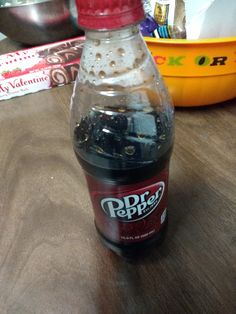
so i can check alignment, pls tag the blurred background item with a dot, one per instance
(194, 46)
(35, 22)
(189, 19)
(197, 72)
(167, 19)
(210, 18)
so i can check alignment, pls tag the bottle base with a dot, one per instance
(131, 252)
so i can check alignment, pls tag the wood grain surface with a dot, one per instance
(51, 261)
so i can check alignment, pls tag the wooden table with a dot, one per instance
(51, 260)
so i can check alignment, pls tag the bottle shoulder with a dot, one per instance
(125, 62)
(119, 75)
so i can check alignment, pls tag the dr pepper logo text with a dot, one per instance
(135, 206)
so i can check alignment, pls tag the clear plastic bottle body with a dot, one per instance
(122, 132)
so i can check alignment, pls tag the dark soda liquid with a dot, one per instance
(124, 177)
(121, 149)
(133, 251)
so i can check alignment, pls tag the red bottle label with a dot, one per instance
(130, 213)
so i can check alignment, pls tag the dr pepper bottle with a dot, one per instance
(122, 127)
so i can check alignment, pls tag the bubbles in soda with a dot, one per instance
(122, 138)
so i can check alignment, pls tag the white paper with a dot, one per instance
(210, 18)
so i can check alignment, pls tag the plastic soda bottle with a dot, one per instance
(122, 126)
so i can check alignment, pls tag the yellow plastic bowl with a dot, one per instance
(197, 72)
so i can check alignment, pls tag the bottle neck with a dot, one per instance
(114, 57)
(119, 34)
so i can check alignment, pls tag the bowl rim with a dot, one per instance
(194, 42)
(34, 2)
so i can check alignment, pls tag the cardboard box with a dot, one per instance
(39, 68)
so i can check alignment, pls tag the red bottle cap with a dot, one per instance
(109, 14)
